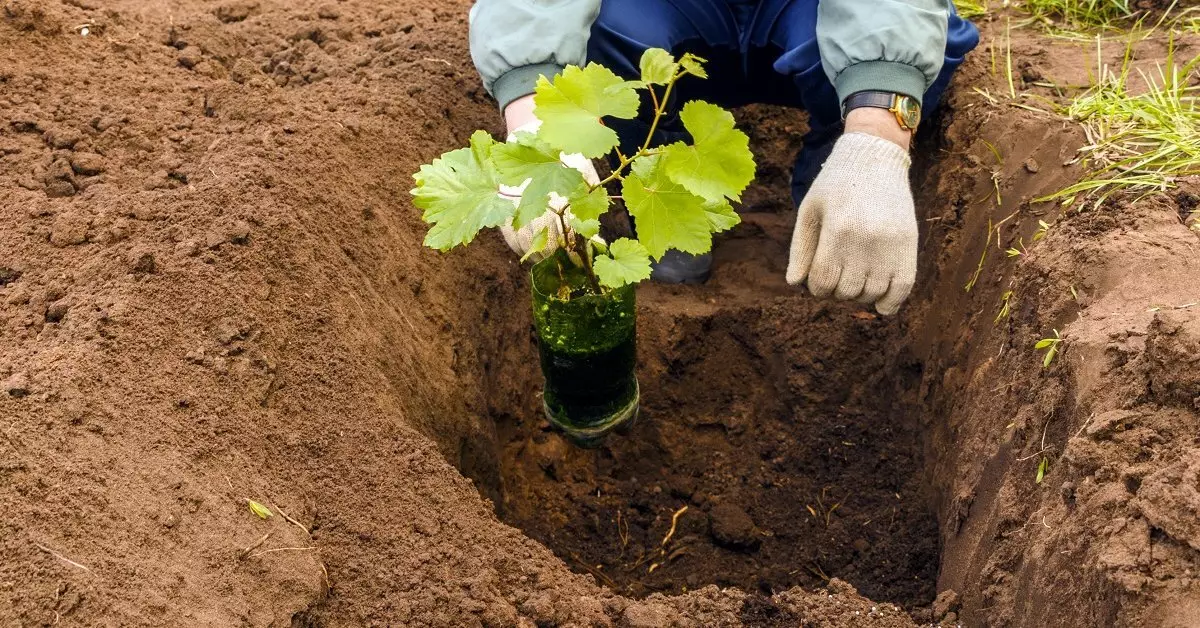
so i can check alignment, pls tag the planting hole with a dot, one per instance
(778, 444)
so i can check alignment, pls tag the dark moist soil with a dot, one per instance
(777, 422)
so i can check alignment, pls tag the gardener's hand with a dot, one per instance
(856, 231)
(519, 117)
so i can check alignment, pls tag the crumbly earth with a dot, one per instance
(212, 290)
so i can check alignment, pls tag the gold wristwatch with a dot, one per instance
(906, 109)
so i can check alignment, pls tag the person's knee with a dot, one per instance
(961, 37)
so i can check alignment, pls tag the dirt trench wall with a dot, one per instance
(1102, 540)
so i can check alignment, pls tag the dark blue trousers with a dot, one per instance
(758, 51)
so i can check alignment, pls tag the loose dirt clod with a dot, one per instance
(16, 385)
(8, 275)
(732, 526)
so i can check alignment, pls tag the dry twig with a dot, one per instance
(61, 557)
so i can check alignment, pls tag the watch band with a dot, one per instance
(881, 100)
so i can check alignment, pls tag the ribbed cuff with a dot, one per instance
(883, 76)
(864, 149)
(519, 82)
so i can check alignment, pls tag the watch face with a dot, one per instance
(908, 111)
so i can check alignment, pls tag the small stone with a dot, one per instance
(56, 312)
(187, 248)
(144, 263)
(8, 275)
(17, 385)
(189, 57)
(53, 293)
(160, 180)
(945, 602)
(104, 123)
(236, 11)
(1031, 165)
(229, 332)
(60, 168)
(170, 520)
(732, 526)
(239, 232)
(59, 189)
(214, 239)
(87, 164)
(62, 138)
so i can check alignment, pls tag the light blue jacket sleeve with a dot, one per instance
(515, 41)
(887, 45)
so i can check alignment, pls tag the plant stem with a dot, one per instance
(578, 244)
(660, 108)
(587, 263)
(562, 224)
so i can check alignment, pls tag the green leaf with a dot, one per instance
(459, 193)
(720, 163)
(586, 228)
(571, 107)
(721, 215)
(588, 205)
(667, 215)
(1043, 343)
(620, 87)
(658, 66)
(260, 510)
(693, 65)
(1043, 467)
(630, 263)
(538, 244)
(538, 164)
(1050, 356)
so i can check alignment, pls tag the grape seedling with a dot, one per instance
(678, 194)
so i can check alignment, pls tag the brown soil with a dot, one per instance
(776, 421)
(212, 290)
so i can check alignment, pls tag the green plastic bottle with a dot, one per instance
(588, 348)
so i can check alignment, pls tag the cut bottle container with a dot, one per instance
(588, 348)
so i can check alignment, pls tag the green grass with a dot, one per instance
(1078, 19)
(1141, 141)
(971, 9)
(1190, 23)
(1081, 13)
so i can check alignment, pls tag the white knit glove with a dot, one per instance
(519, 240)
(856, 231)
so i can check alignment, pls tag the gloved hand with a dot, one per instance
(856, 231)
(519, 240)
